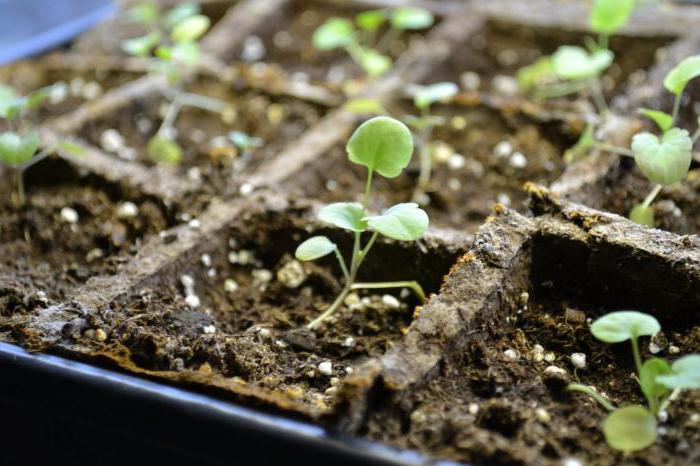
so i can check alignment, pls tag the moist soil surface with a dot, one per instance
(43, 253)
(493, 403)
(253, 303)
(286, 42)
(277, 121)
(463, 187)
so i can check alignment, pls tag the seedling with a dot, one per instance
(384, 146)
(359, 39)
(19, 144)
(424, 97)
(573, 69)
(245, 143)
(170, 48)
(633, 427)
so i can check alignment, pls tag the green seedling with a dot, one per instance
(384, 146)
(663, 160)
(573, 69)
(245, 143)
(169, 49)
(631, 428)
(20, 142)
(359, 38)
(423, 98)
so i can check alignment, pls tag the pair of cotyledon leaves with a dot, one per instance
(383, 145)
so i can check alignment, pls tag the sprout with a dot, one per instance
(361, 45)
(168, 49)
(384, 146)
(608, 16)
(574, 63)
(664, 162)
(633, 428)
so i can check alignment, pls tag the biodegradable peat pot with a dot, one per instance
(468, 382)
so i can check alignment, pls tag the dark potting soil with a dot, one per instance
(460, 196)
(493, 403)
(276, 120)
(41, 252)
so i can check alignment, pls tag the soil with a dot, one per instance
(287, 44)
(502, 48)
(276, 120)
(255, 333)
(462, 196)
(41, 253)
(490, 406)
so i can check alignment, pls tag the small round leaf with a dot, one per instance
(642, 215)
(685, 374)
(662, 119)
(141, 46)
(345, 215)
(652, 368)
(180, 13)
(630, 429)
(314, 248)
(365, 106)
(382, 144)
(145, 13)
(428, 95)
(15, 149)
(666, 161)
(411, 18)
(370, 20)
(405, 222)
(185, 52)
(190, 29)
(333, 34)
(607, 16)
(676, 79)
(572, 63)
(624, 325)
(163, 150)
(373, 62)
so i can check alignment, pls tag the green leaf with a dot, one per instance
(535, 74)
(411, 18)
(163, 150)
(244, 141)
(382, 144)
(624, 325)
(38, 97)
(370, 20)
(420, 122)
(428, 95)
(405, 222)
(572, 63)
(333, 34)
(676, 79)
(607, 16)
(314, 248)
(345, 215)
(665, 162)
(652, 368)
(582, 146)
(685, 374)
(15, 149)
(180, 13)
(72, 148)
(642, 215)
(373, 62)
(630, 429)
(190, 29)
(185, 52)
(142, 46)
(145, 13)
(662, 119)
(365, 106)
(9, 102)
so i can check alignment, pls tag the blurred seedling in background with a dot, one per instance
(170, 48)
(384, 146)
(666, 160)
(423, 98)
(634, 427)
(360, 38)
(20, 141)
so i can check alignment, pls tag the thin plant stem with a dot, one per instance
(590, 391)
(202, 101)
(37, 158)
(635, 350)
(343, 267)
(652, 195)
(331, 310)
(603, 41)
(170, 115)
(368, 187)
(676, 107)
(614, 149)
(19, 177)
(412, 284)
(425, 160)
(363, 253)
(696, 135)
(598, 98)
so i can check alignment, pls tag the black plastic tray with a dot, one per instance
(58, 411)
